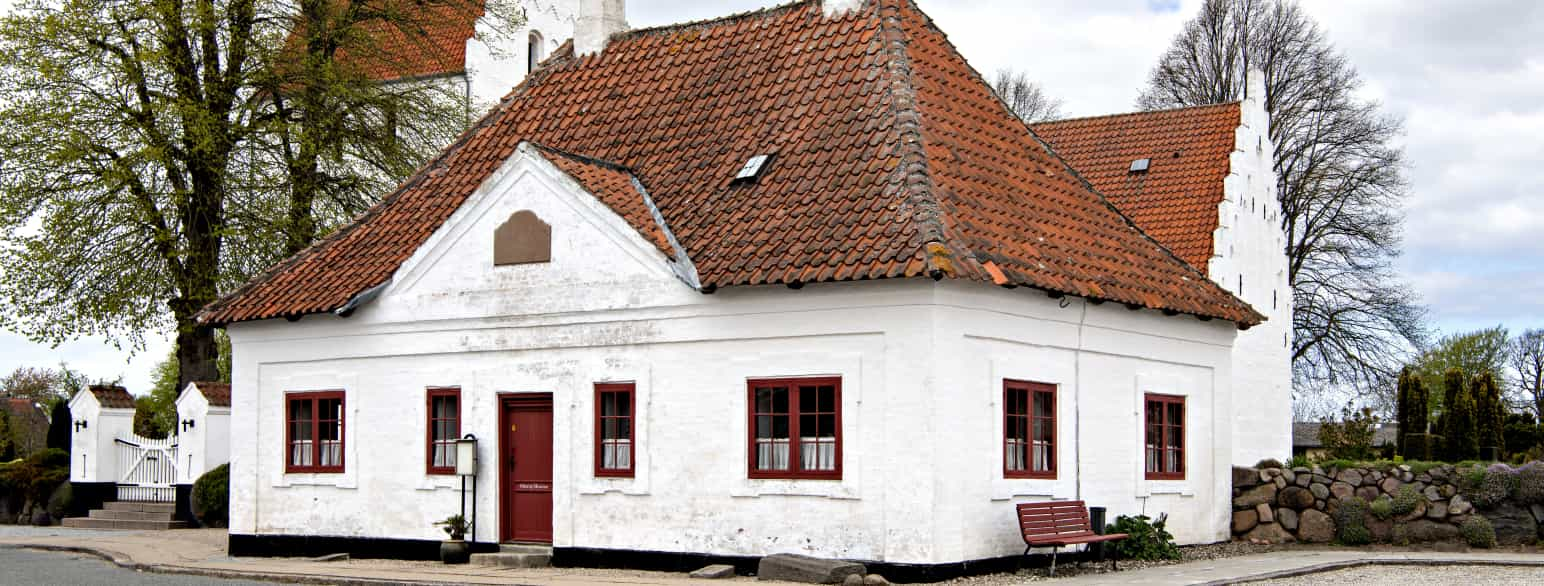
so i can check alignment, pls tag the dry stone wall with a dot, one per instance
(1278, 505)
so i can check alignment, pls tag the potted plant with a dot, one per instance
(455, 550)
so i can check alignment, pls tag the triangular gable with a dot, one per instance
(893, 159)
(594, 215)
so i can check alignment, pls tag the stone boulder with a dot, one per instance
(1416, 513)
(713, 572)
(1424, 531)
(1314, 526)
(1296, 498)
(809, 570)
(1265, 493)
(1390, 485)
(1513, 524)
(1269, 533)
(1458, 505)
(1437, 511)
(1382, 530)
(1287, 518)
(1342, 491)
(1349, 476)
(1245, 520)
(1244, 477)
(1264, 510)
(1367, 493)
(1320, 491)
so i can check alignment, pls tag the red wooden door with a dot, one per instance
(525, 447)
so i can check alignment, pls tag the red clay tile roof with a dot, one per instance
(1176, 200)
(429, 39)
(613, 185)
(112, 397)
(218, 394)
(894, 159)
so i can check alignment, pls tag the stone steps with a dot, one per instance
(144, 516)
(95, 523)
(516, 555)
(129, 515)
(141, 507)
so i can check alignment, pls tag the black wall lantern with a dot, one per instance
(79, 425)
(187, 424)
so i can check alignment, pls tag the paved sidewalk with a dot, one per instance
(202, 552)
(1292, 563)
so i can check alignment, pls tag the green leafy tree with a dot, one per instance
(1405, 403)
(7, 445)
(1458, 418)
(29, 383)
(1475, 353)
(1489, 412)
(160, 152)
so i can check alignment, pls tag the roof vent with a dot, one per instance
(1140, 165)
(753, 169)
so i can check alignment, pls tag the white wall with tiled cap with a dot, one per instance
(1249, 251)
(498, 60)
(920, 363)
(205, 444)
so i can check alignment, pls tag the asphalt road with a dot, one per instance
(41, 568)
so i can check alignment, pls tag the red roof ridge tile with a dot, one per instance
(1094, 117)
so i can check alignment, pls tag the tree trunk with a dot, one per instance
(196, 348)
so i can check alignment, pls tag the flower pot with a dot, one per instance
(455, 551)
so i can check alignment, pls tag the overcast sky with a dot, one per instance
(1467, 76)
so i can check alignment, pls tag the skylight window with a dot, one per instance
(753, 169)
(1140, 165)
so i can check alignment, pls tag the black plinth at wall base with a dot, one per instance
(85, 496)
(356, 547)
(184, 510)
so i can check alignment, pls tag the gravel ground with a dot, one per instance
(55, 531)
(1423, 575)
(35, 568)
(1066, 567)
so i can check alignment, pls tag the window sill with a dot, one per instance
(613, 484)
(332, 479)
(1169, 487)
(434, 482)
(825, 488)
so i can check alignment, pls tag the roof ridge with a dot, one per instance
(711, 22)
(914, 170)
(1135, 113)
(586, 159)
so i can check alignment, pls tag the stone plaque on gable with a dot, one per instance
(523, 239)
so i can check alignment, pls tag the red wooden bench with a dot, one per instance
(1058, 524)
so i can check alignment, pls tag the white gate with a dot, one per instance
(148, 468)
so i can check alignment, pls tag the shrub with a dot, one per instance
(1405, 502)
(1478, 532)
(1530, 483)
(1497, 484)
(1383, 508)
(1147, 540)
(1268, 463)
(1299, 462)
(1351, 437)
(61, 501)
(1488, 413)
(1458, 422)
(211, 496)
(36, 476)
(1351, 522)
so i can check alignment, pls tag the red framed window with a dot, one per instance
(1029, 430)
(1165, 433)
(444, 413)
(796, 428)
(314, 438)
(615, 443)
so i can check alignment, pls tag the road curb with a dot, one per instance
(125, 562)
(1357, 563)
